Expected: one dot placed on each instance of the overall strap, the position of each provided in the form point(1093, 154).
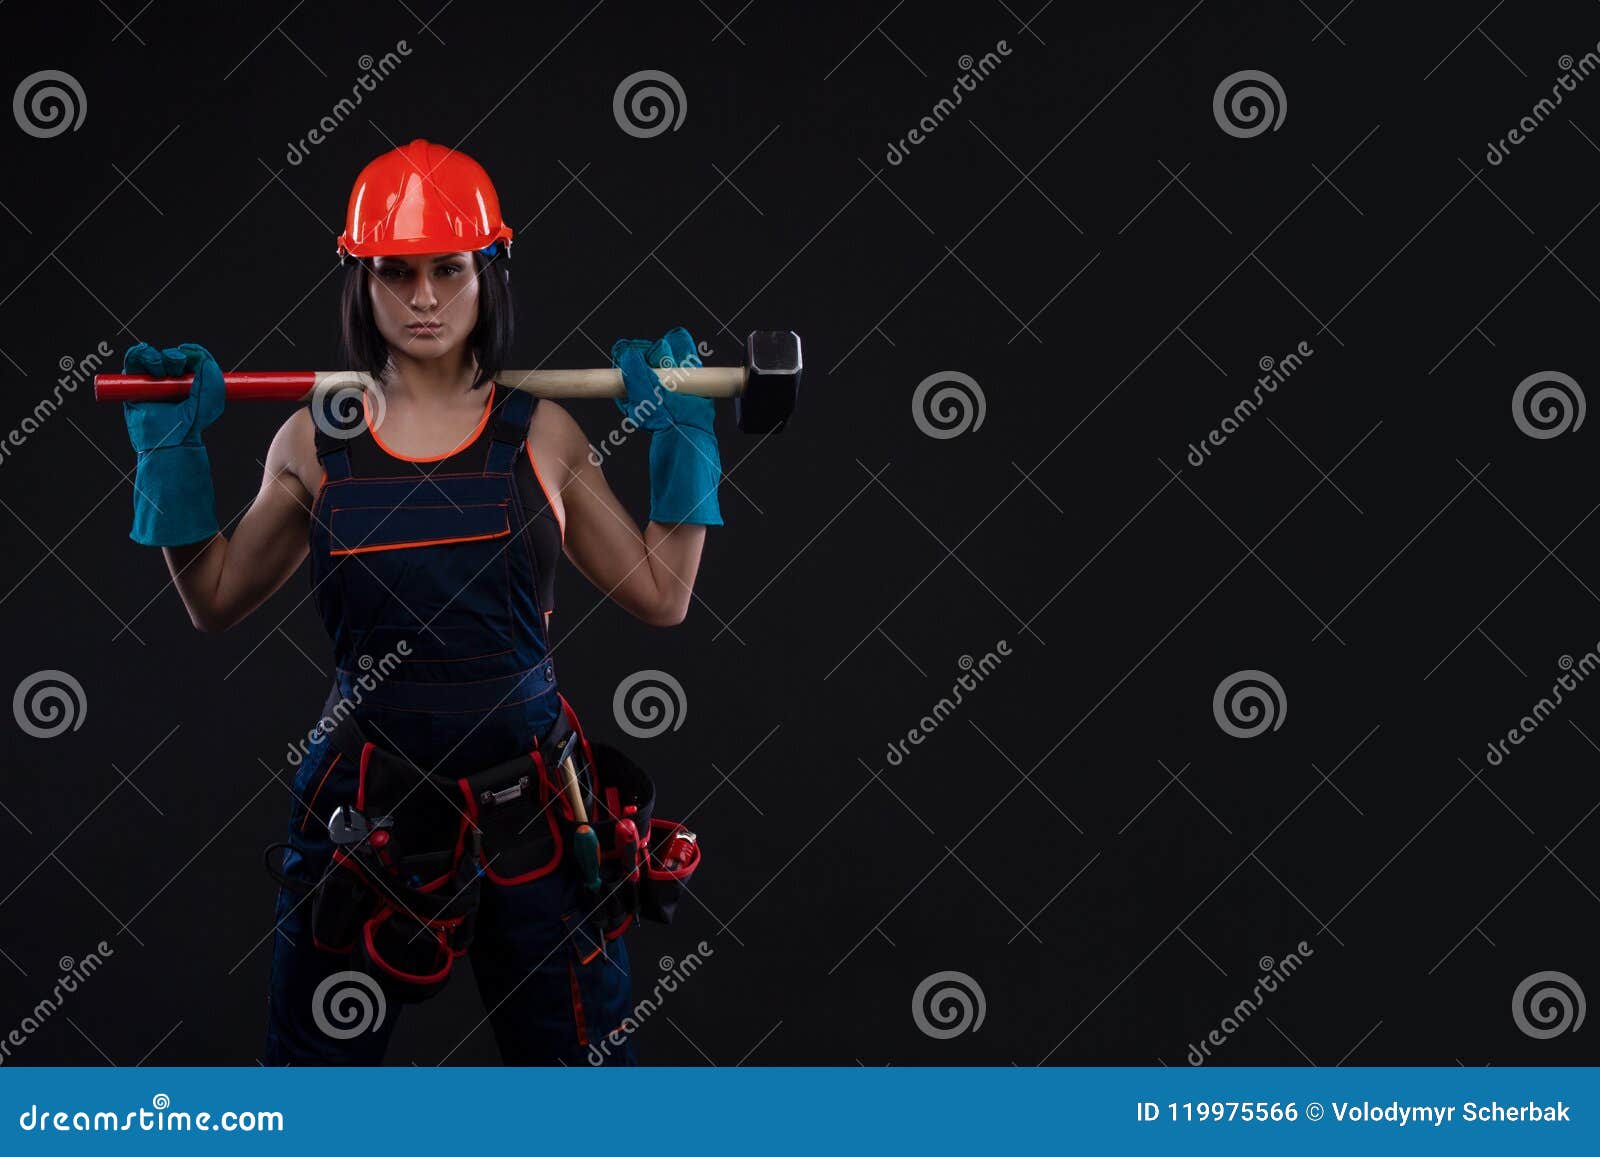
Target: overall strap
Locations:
point(508, 429)
point(333, 451)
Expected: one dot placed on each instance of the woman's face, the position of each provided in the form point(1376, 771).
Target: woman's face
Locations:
point(425, 306)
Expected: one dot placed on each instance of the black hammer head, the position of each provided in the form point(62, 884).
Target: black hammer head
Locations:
point(772, 381)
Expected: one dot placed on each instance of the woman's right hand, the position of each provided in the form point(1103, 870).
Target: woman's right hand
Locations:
point(220, 578)
point(157, 425)
point(173, 501)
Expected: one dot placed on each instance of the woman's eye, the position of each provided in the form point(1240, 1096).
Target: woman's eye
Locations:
point(391, 273)
point(450, 269)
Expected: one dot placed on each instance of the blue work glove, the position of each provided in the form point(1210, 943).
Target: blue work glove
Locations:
point(684, 465)
point(173, 502)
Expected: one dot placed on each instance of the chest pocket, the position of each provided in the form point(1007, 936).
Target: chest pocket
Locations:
point(428, 562)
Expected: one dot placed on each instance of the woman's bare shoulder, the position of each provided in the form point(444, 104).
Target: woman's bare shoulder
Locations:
point(294, 451)
point(556, 435)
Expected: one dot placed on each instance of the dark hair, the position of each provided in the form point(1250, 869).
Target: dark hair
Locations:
point(362, 344)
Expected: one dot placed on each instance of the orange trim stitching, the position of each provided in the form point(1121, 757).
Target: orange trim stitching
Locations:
point(424, 542)
point(310, 804)
point(577, 1007)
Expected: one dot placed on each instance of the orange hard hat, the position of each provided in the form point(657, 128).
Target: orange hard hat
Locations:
point(422, 198)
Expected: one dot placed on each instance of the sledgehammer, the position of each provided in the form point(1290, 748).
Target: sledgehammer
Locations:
point(764, 389)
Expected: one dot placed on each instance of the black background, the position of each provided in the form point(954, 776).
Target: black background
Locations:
point(1037, 840)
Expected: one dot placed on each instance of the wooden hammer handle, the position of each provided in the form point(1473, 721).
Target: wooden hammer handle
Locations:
point(569, 775)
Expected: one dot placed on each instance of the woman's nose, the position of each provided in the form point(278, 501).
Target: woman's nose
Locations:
point(423, 296)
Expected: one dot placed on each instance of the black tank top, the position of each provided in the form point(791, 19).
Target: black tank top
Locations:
point(541, 529)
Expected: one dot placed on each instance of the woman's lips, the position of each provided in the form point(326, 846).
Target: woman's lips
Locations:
point(424, 329)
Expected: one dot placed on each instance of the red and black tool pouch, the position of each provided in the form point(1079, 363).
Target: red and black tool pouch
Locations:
point(402, 902)
point(661, 888)
point(620, 802)
point(411, 940)
point(633, 883)
point(511, 804)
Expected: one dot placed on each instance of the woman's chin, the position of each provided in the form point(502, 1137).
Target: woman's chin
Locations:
point(425, 347)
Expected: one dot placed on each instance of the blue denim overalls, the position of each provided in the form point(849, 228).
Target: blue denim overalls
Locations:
point(428, 588)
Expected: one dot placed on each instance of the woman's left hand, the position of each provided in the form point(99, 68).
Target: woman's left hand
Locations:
point(685, 466)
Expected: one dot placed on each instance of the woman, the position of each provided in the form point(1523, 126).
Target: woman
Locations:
point(433, 525)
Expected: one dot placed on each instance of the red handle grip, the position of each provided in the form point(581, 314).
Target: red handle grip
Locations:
point(286, 386)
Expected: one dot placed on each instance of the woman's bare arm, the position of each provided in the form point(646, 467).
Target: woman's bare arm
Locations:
point(223, 580)
point(650, 574)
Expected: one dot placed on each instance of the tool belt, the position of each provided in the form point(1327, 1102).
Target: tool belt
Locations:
point(399, 895)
